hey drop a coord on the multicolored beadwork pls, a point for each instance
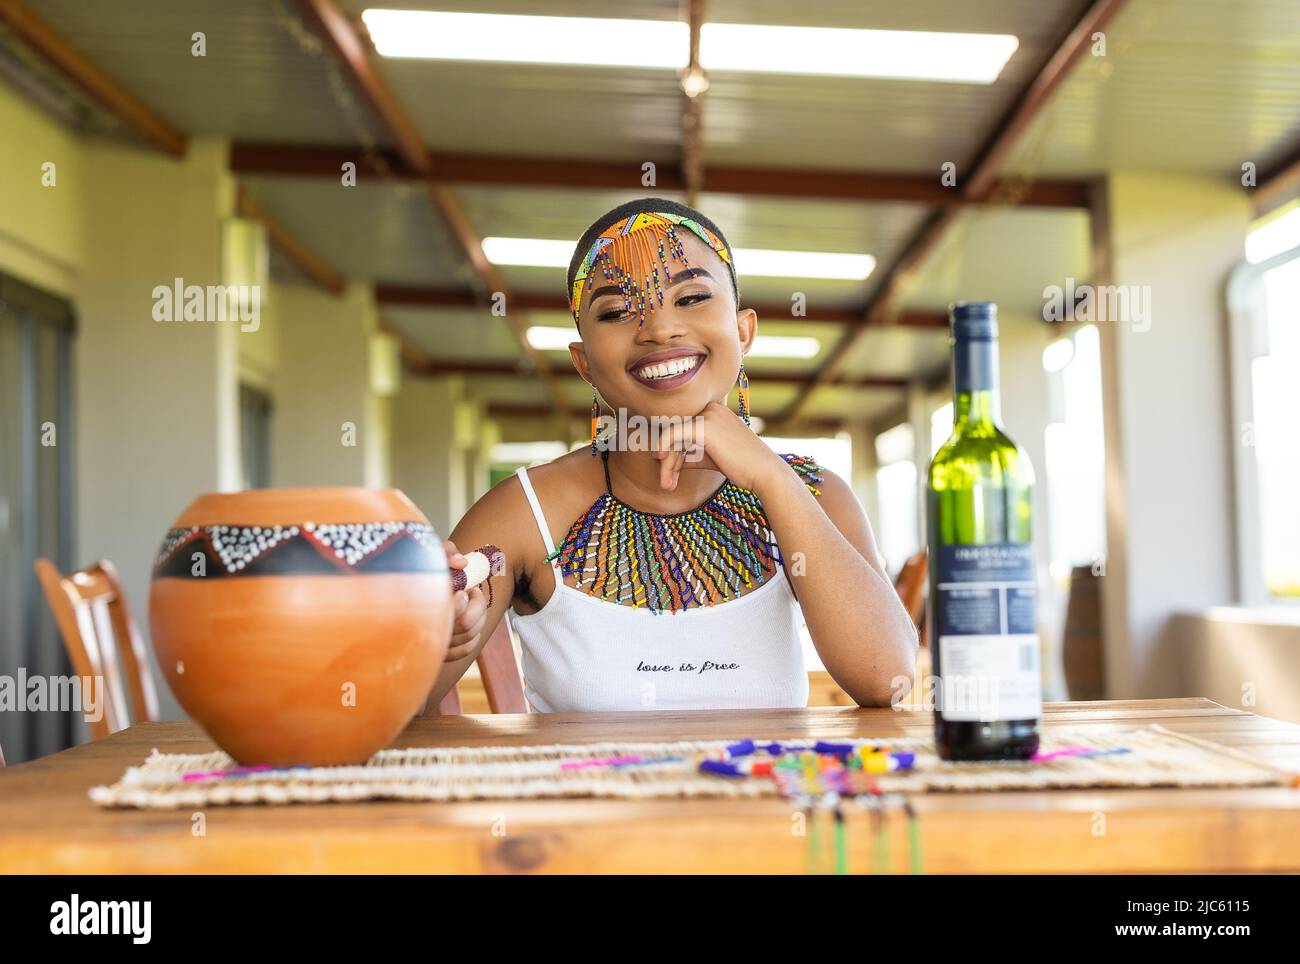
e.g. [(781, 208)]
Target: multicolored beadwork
[(670, 563), (814, 767), (629, 254), (818, 778)]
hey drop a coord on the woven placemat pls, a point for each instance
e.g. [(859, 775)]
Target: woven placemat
[(1150, 756)]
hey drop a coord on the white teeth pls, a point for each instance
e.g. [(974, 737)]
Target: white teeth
[(674, 366)]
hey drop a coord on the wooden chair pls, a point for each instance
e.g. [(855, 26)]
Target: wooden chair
[(91, 611), (910, 584), (499, 674)]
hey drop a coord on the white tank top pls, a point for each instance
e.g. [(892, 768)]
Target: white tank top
[(583, 654)]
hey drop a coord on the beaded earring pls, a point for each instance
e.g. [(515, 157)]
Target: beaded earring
[(742, 382), (595, 421)]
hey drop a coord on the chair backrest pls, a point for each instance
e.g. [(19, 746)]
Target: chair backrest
[(499, 673), (91, 611), (910, 584), (450, 705)]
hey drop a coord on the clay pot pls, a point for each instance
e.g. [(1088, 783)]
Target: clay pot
[(301, 626)]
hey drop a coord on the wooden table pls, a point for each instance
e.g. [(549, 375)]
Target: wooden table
[(47, 823)]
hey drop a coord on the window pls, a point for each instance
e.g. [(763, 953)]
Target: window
[(835, 454), (898, 533), (506, 457), (1264, 296), (36, 444), (1075, 454), (1275, 403), (940, 427), (255, 437)]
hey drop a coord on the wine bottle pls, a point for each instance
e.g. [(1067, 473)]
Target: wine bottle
[(982, 583)]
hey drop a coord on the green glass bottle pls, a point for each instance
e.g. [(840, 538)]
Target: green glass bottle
[(988, 696)]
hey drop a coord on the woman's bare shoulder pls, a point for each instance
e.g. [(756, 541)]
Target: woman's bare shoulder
[(567, 486), (572, 469)]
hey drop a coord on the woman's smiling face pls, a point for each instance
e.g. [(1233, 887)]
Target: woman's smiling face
[(687, 353)]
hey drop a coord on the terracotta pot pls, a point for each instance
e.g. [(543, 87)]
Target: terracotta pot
[(301, 626)]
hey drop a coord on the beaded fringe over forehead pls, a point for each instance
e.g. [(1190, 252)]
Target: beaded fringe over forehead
[(630, 253), (1153, 757)]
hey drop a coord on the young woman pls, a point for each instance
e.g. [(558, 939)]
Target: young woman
[(671, 575)]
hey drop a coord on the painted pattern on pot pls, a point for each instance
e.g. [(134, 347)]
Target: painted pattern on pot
[(339, 549)]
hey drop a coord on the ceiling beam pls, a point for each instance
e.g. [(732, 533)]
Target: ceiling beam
[(287, 243), (1008, 133), (980, 185), (513, 170), (84, 74), (1275, 185), (430, 296), (884, 187), (694, 84), (353, 52), (414, 359), (880, 310)]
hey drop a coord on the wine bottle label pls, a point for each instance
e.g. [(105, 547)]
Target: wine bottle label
[(987, 638)]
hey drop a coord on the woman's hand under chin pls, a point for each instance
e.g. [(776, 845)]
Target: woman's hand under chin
[(718, 439)]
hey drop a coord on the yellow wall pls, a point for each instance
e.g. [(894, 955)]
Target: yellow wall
[(1168, 449), (156, 402), (320, 384), (42, 236)]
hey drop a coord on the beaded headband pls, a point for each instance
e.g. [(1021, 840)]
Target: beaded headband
[(629, 253)]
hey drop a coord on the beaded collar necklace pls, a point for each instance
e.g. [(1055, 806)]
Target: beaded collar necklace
[(669, 563)]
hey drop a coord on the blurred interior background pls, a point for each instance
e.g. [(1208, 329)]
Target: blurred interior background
[(394, 200)]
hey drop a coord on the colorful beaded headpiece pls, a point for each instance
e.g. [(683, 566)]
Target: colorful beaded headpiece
[(629, 253)]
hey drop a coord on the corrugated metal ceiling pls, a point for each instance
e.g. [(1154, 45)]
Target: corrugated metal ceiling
[(384, 231), (1007, 255), (862, 124), (1187, 85), (871, 124), (896, 352), (857, 404), (263, 78), (455, 334)]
